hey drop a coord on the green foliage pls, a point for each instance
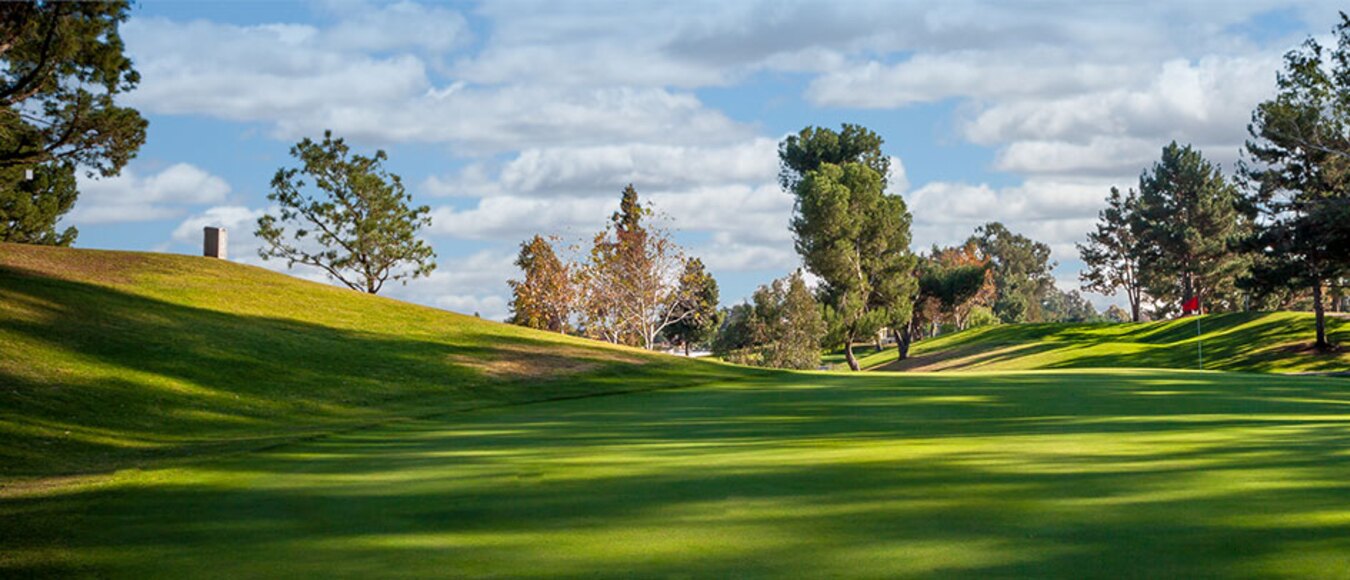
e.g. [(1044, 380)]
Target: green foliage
[(848, 231), (786, 325), (358, 227), (733, 334), (63, 70), (981, 316), (545, 297), (30, 208), (1112, 251), (816, 146), (1187, 225), (697, 314), (1021, 271), (1117, 314), (1299, 175), (951, 286), (1061, 306)]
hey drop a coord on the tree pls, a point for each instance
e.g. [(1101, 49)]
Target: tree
[(733, 336), (952, 286), (63, 70), (1021, 269), (358, 226), (700, 317), (786, 325), (1112, 252), (545, 297), (1061, 306), (1186, 223), (1117, 314), (30, 208), (967, 254), (849, 232), (1299, 176), (630, 286), (816, 146)]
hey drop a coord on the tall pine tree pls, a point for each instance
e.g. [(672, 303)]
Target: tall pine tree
[(1187, 224), (849, 232), (1299, 175)]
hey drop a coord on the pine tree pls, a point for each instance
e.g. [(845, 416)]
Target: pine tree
[(1187, 224), (64, 68), (849, 232), (30, 208), (1112, 252), (355, 223), (699, 316), (1299, 176)]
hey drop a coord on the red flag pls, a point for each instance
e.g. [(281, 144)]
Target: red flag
[(1192, 305)]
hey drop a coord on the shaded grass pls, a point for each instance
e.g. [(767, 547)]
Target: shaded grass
[(265, 426), (1269, 342), (1060, 473), (112, 359)]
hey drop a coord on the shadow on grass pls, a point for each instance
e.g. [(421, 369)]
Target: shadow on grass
[(1022, 474), (112, 379)]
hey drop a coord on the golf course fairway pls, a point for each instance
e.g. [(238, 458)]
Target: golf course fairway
[(1119, 473)]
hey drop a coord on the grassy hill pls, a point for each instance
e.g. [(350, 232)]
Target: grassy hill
[(112, 359), (326, 441), (1275, 342)]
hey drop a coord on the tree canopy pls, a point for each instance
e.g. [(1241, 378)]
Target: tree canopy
[(545, 296), (1021, 269), (1298, 173), (1112, 250), (64, 69), (698, 312), (1187, 224), (849, 232), (346, 215)]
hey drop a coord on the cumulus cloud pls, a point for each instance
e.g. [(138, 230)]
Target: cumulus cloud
[(559, 105), (131, 197), (377, 84)]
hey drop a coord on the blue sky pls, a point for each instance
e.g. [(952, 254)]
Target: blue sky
[(516, 118)]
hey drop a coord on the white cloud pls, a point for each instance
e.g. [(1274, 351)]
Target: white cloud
[(465, 284), (302, 79), (130, 197)]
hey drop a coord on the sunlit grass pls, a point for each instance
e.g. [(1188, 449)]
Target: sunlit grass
[(1021, 474), (266, 427), (1244, 341)]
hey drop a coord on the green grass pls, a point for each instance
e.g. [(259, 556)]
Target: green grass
[(229, 422), (1270, 342), (1043, 474), (114, 359)]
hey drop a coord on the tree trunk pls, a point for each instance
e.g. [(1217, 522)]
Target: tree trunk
[(1320, 312), (848, 355), (1134, 309), (686, 348), (903, 340)]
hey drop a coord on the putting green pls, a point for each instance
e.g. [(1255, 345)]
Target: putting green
[(1063, 473)]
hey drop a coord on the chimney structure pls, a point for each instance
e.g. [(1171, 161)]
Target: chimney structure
[(214, 243)]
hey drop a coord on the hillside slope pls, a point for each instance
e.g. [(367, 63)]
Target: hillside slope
[(1246, 341), (112, 359)]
